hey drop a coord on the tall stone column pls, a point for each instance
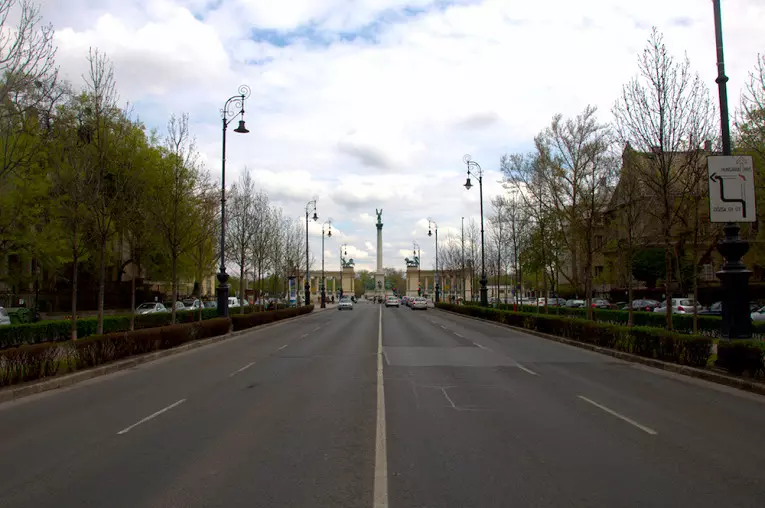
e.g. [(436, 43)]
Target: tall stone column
[(379, 274)]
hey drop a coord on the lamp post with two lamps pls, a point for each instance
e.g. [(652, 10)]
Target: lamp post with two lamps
[(233, 108), (307, 285), (432, 224), (329, 234), (471, 167)]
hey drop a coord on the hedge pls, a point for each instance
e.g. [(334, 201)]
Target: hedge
[(639, 340), (60, 330), (739, 356), (34, 361), (681, 323)]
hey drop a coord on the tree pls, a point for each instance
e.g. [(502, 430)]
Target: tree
[(240, 226), (665, 113), (173, 196)]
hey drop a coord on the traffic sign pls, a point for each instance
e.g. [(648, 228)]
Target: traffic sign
[(731, 188)]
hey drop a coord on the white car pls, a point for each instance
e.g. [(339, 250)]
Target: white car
[(345, 303), (150, 308), (419, 303), (679, 306), (5, 319), (392, 301)]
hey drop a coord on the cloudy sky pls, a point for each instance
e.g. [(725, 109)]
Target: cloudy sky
[(372, 103)]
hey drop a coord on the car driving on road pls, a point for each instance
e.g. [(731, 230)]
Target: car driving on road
[(392, 301), (345, 303), (419, 303)]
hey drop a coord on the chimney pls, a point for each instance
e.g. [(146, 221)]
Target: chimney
[(708, 145)]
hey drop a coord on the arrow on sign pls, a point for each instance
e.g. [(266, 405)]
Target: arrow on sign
[(720, 179)]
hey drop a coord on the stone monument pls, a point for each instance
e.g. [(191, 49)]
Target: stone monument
[(379, 274)]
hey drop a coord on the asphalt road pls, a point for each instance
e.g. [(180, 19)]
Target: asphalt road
[(453, 413)]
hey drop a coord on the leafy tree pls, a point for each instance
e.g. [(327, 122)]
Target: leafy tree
[(648, 265)]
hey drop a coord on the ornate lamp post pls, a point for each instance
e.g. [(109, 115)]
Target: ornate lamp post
[(432, 224), (416, 252), (473, 165), (734, 277), (307, 286), (343, 253), (329, 234), (233, 108)]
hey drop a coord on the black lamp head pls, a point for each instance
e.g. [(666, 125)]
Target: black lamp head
[(315, 217), (430, 233), (468, 185), (241, 129)]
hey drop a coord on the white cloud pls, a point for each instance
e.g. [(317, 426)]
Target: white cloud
[(382, 120)]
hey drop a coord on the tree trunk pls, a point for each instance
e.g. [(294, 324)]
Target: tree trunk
[(667, 280), (695, 267), (241, 284), (630, 310), (201, 277), (174, 286), (132, 303), (75, 262), (101, 286)]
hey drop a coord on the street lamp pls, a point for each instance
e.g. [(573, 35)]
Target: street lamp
[(343, 253), (733, 275), (307, 285), (471, 164), (416, 252), (432, 223), (233, 108), (329, 234), (462, 271)]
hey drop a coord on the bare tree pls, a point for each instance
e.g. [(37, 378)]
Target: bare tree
[(240, 226), (750, 121), (665, 113), (29, 80), (173, 196)]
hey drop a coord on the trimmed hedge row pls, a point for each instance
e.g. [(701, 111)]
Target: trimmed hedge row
[(639, 340), (681, 323), (739, 356), (60, 330), (35, 361)]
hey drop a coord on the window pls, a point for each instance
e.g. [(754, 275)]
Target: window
[(598, 271), (598, 242), (708, 271)]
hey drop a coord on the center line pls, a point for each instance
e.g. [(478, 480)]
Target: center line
[(524, 369), (381, 452), (304, 336), (459, 335), (442, 326), (645, 429), (153, 415), (317, 329), (240, 370), (284, 346), (482, 347)]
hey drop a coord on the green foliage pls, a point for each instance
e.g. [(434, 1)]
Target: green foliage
[(740, 356), (244, 321), (648, 265), (649, 342)]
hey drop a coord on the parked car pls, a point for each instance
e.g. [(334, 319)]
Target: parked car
[(211, 304), (392, 301), (345, 303), (643, 304), (5, 319), (575, 304), (150, 308), (680, 306), (599, 303), (419, 303), (758, 315)]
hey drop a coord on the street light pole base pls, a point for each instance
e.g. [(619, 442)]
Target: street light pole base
[(484, 292), (323, 299), (222, 293), (307, 294), (734, 278)]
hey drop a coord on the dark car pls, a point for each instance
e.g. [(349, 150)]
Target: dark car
[(643, 304)]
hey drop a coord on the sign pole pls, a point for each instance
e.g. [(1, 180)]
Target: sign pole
[(733, 275)]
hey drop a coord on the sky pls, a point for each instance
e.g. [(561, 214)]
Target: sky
[(369, 104)]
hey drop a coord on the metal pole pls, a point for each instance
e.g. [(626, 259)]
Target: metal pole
[(484, 290), (307, 285), (462, 270), (733, 275), (222, 275), (323, 294), (438, 278)]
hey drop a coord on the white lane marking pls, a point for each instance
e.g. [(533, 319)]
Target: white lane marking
[(381, 452), (240, 370), (304, 336), (645, 429), (443, 390), (459, 335), (316, 329), (524, 369), (480, 346), (284, 346), (153, 415), (442, 326)]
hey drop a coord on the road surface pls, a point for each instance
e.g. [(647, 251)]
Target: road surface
[(452, 413)]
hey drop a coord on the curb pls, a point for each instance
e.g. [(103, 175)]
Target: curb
[(706, 375), (11, 393)]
